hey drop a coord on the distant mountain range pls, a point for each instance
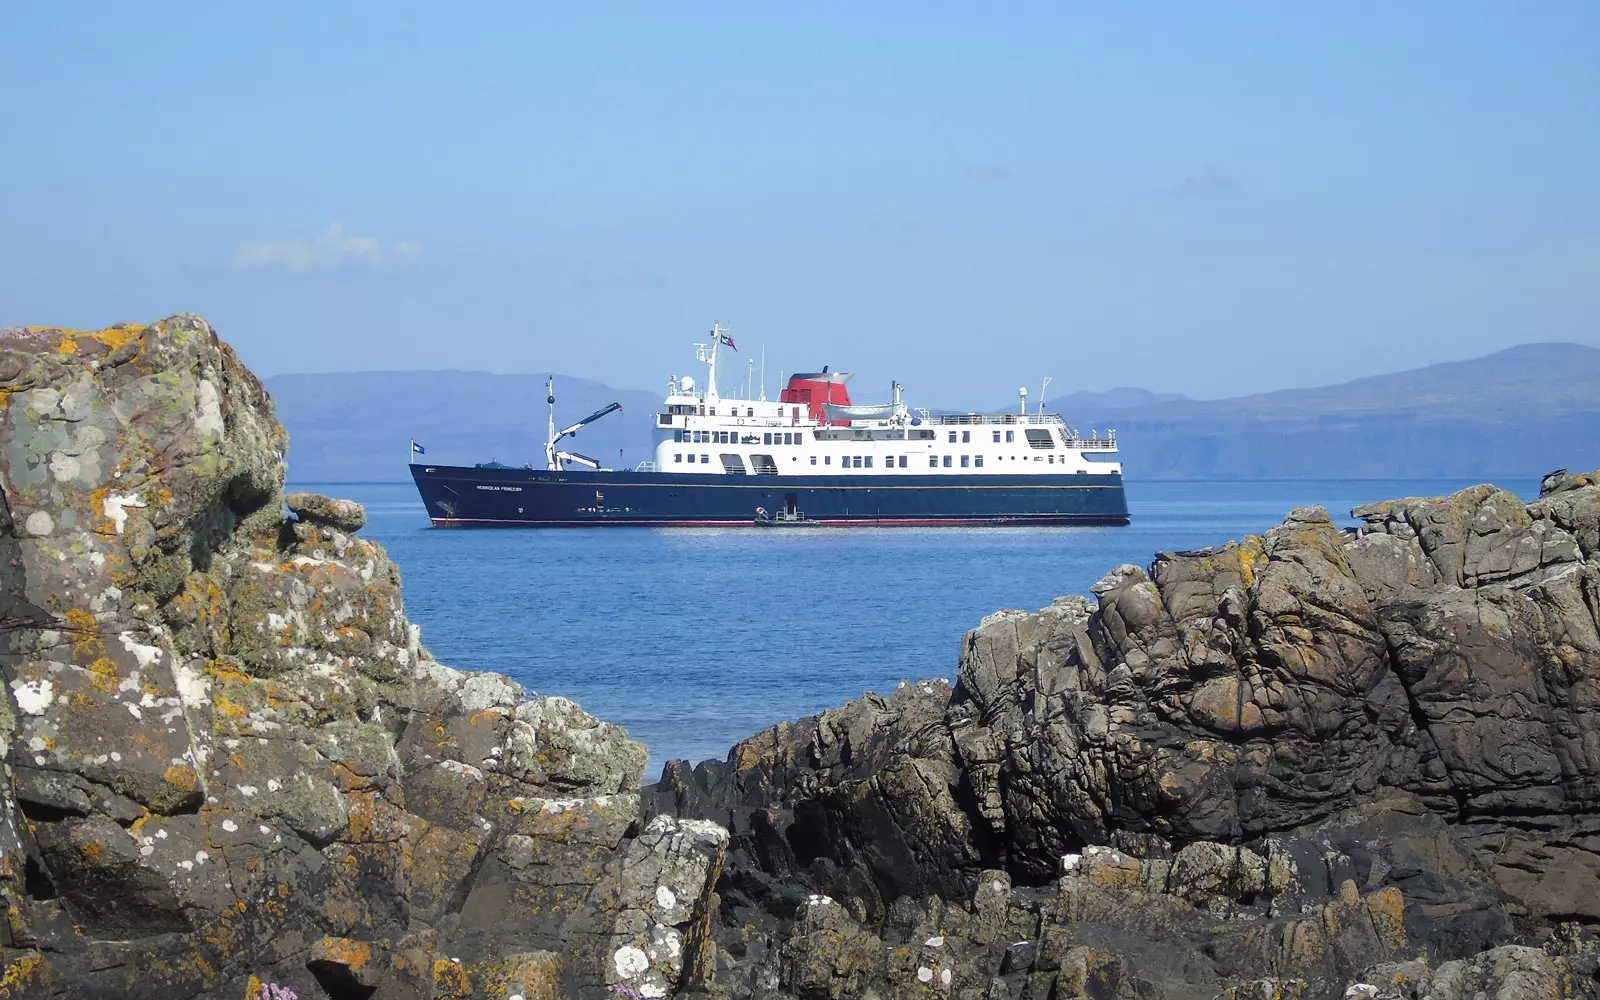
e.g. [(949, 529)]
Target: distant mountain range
[(1516, 413), (356, 426)]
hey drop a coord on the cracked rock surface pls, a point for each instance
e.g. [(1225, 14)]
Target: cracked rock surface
[(1306, 763), (1313, 763), (228, 759)]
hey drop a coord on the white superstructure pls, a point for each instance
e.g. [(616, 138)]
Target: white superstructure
[(814, 430)]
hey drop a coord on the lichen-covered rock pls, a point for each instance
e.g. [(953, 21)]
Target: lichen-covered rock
[(340, 515), (663, 940), (228, 758)]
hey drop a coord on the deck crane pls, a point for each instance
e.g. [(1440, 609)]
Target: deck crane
[(556, 460)]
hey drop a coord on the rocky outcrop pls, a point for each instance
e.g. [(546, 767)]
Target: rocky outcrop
[(1314, 763), (1284, 767), (231, 765)]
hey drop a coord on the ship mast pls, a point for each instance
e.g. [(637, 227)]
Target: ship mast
[(711, 387), (550, 398)]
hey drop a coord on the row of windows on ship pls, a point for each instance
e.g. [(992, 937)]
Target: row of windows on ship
[(765, 462), (1036, 438)]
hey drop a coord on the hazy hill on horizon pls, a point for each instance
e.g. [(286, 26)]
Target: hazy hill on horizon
[(357, 426), (1516, 413)]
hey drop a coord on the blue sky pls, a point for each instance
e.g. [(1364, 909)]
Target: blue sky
[(1212, 199)]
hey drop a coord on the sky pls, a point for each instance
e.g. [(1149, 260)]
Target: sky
[(1212, 199)]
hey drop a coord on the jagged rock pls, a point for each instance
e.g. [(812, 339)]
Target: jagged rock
[(340, 515), (1303, 763), (228, 757), (663, 938), (1251, 770), (1510, 971)]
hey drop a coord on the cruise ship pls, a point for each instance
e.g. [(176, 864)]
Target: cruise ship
[(811, 457)]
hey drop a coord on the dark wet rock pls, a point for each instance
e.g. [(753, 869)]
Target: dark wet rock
[(1255, 770)]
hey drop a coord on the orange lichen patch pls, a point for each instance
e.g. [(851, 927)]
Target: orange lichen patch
[(228, 707), (181, 777), (91, 850), (220, 670), (111, 336), (277, 907), (450, 979), (97, 507), (347, 952), (86, 641), (363, 816), (254, 990), (23, 976), (5, 398), (1387, 907), (103, 675), (115, 336)]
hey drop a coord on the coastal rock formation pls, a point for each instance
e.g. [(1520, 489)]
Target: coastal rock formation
[(1311, 764), (230, 763), (1338, 759)]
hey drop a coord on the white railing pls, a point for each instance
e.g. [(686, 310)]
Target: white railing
[(995, 418), (1093, 444)]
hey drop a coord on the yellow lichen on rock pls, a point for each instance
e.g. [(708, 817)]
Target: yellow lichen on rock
[(1387, 908), (450, 980), (24, 976)]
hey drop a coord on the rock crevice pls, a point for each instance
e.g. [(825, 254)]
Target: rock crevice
[(1295, 755)]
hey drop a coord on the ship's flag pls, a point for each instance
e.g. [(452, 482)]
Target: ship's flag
[(417, 449), (727, 341)]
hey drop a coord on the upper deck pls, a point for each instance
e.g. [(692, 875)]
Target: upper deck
[(813, 428)]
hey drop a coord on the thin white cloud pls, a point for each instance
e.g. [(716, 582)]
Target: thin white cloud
[(333, 249)]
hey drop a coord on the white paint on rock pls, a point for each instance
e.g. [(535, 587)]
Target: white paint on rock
[(33, 697), (194, 687), (146, 655), (115, 507)]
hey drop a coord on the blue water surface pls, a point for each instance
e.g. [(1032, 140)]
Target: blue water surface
[(694, 638)]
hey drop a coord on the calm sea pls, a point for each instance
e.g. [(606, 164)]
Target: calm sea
[(694, 638)]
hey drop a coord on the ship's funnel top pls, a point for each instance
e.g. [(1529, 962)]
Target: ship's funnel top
[(816, 390)]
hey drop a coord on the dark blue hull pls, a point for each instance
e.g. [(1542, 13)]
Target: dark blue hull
[(535, 498)]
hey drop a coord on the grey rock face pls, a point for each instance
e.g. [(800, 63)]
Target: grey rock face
[(228, 759)]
